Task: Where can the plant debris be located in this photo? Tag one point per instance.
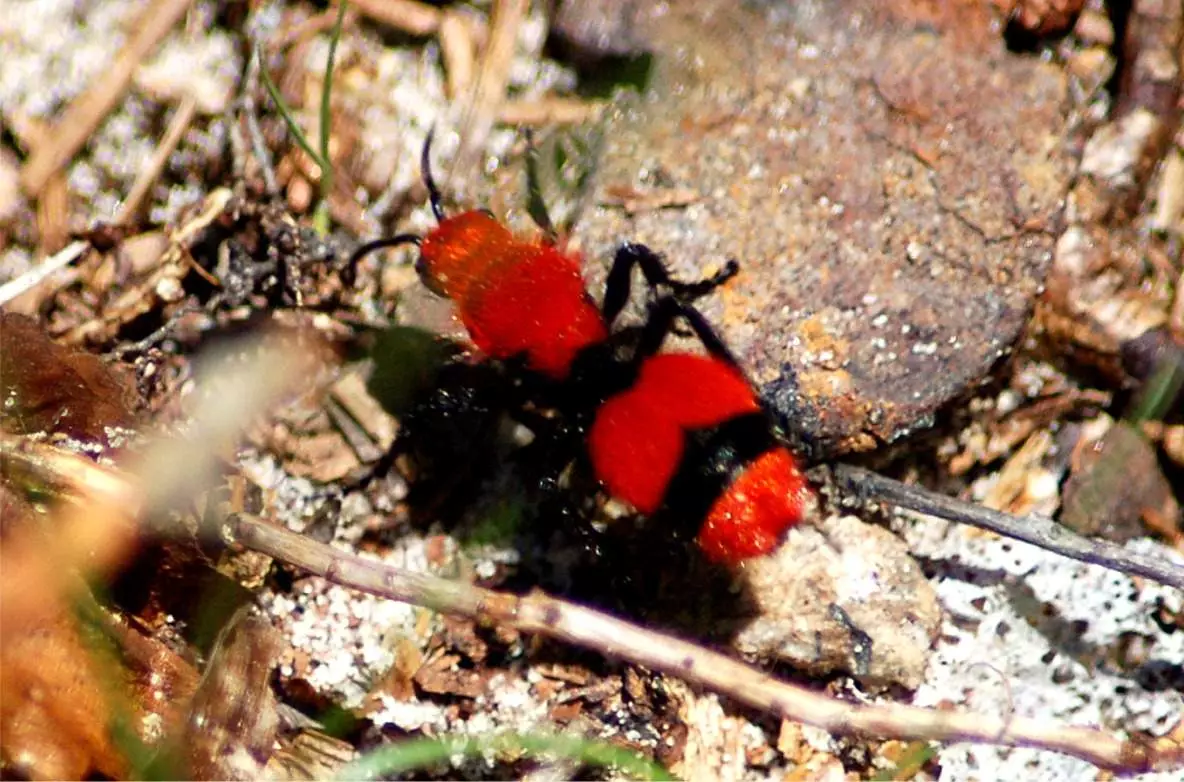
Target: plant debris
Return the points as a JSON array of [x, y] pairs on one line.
[[959, 228]]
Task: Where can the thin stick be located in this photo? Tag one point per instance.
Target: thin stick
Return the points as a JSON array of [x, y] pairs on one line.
[[549, 111], [152, 170], [539, 613], [1037, 530], [88, 111], [250, 113], [490, 89], [407, 16], [35, 276], [458, 50]]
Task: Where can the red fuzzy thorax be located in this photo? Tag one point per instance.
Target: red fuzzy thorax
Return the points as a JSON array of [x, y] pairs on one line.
[[515, 297]]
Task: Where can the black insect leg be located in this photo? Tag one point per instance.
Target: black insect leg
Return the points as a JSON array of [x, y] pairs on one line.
[[663, 315], [631, 255], [449, 432]]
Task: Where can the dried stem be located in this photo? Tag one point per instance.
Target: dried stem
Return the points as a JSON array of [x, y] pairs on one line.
[[538, 613], [550, 111], [408, 16], [250, 114], [489, 91], [42, 271], [458, 50], [151, 172], [1037, 530]]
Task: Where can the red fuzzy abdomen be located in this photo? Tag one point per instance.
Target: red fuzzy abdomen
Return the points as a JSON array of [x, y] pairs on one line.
[[637, 439], [514, 297], [748, 519]]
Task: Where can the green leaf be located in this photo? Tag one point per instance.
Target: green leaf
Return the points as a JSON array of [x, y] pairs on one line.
[[406, 362], [1158, 394], [286, 111]]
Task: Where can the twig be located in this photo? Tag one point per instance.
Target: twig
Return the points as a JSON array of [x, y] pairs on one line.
[[151, 172], [1037, 530], [539, 613], [310, 28], [107, 489], [458, 50], [251, 114], [549, 111], [53, 214], [162, 332], [34, 277], [406, 16], [86, 113], [490, 89]]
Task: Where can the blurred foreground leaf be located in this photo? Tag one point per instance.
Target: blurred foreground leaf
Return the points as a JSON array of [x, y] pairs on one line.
[[421, 753]]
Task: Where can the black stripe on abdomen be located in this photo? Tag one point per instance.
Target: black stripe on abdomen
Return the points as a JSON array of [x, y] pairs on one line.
[[712, 460]]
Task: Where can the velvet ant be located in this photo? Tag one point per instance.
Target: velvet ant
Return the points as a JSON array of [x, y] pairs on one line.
[[678, 433]]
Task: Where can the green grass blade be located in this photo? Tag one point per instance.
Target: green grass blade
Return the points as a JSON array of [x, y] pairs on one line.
[[96, 636], [536, 201], [420, 753], [326, 94], [1158, 393], [320, 217], [286, 112]]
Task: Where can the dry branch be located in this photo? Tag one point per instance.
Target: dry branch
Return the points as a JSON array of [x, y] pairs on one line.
[[458, 50], [549, 111], [538, 613], [489, 91], [1037, 530]]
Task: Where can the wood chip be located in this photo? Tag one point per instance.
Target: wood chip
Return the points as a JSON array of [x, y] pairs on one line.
[[405, 16]]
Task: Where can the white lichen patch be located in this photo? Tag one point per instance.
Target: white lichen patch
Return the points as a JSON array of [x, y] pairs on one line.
[[340, 640], [54, 48], [54, 51], [1034, 634]]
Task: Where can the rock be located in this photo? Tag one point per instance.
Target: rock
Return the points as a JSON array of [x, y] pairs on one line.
[[888, 181], [843, 597]]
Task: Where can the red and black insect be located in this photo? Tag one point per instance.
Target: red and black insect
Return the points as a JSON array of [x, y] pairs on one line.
[[674, 433]]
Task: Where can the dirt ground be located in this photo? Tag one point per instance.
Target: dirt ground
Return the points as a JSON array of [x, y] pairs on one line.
[[959, 229]]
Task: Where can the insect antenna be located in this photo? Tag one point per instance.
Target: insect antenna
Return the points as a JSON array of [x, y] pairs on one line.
[[350, 272], [425, 165]]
